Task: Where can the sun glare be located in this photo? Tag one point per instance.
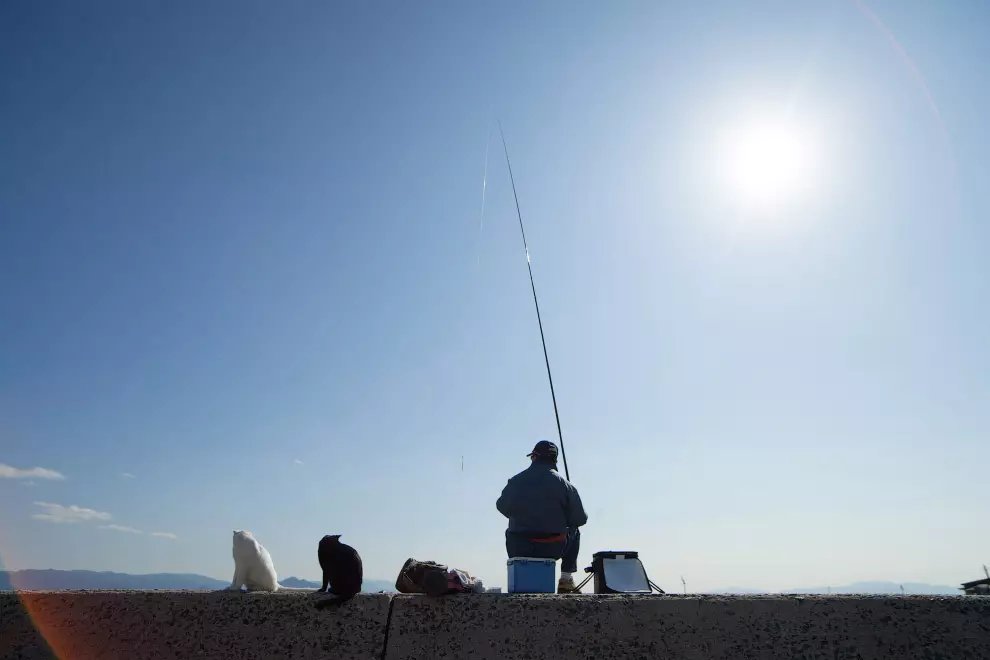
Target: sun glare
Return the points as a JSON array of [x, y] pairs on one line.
[[767, 164]]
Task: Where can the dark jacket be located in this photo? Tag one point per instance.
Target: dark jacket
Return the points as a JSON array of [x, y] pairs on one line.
[[539, 500]]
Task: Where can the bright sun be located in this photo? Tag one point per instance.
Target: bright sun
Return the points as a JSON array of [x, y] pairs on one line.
[[768, 164]]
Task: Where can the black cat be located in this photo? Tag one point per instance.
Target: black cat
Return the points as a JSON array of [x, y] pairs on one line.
[[342, 570]]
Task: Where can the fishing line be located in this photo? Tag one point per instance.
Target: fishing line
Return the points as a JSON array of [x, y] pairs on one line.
[[536, 303], [484, 189]]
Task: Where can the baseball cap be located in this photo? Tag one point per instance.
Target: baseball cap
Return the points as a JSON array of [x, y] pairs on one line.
[[544, 449]]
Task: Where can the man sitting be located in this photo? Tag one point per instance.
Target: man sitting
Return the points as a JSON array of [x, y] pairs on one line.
[[544, 512]]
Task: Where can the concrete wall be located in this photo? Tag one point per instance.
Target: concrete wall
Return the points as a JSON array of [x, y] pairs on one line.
[[135, 625], [105, 625]]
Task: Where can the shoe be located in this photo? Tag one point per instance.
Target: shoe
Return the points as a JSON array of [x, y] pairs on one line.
[[565, 585]]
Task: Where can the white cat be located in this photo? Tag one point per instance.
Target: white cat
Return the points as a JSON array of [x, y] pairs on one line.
[[253, 565]]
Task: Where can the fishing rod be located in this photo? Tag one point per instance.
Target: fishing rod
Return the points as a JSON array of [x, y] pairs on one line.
[[536, 303]]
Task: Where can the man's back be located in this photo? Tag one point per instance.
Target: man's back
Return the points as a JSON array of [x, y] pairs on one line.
[[539, 500]]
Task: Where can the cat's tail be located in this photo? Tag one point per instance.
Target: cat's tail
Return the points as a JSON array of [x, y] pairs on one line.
[[281, 588], [335, 601]]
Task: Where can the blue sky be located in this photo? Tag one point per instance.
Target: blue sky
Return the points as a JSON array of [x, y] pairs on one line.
[[241, 261]]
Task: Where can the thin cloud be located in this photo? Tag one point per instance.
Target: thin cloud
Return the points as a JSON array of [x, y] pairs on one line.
[[10, 472], [165, 535], [29, 483], [127, 475], [68, 515], [122, 528], [298, 462]]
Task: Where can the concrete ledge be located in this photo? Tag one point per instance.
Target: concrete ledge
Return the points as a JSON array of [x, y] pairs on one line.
[[131, 625], [685, 628], [136, 625]]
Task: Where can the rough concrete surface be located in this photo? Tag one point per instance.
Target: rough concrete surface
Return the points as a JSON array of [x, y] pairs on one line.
[[686, 628], [137, 625], [134, 625]]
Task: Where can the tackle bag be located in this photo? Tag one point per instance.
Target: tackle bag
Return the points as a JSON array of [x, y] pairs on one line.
[[433, 579], [619, 572]]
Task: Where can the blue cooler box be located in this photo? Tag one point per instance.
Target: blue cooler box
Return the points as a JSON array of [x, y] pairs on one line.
[[531, 575]]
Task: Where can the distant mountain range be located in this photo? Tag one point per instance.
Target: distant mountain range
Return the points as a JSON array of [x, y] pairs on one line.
[[50, 579], [910, 589]]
